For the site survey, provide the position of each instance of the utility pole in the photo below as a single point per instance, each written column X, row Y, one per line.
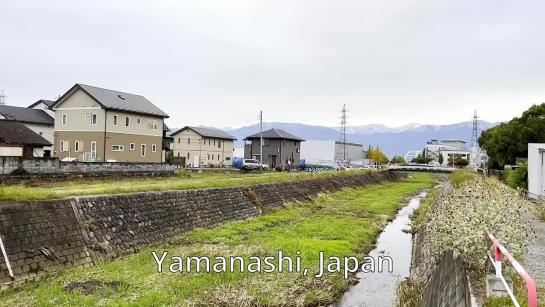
column 2, row 98
column 261, row 140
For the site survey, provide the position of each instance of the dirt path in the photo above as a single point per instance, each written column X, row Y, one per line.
column 534, row 262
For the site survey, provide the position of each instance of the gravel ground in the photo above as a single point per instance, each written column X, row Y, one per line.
column 534, row 262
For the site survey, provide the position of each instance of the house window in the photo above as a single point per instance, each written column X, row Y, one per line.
column 118, row 148
column 127, row 121
column 227, row 158
column 132, row 146
column 214, row 142
column 63, row 146
column 187, row 156
column 143, row 150
column 179, row 140
column 218, row 157
column 188, row 141
column 65, row 119
column 209, row 140
column 212, row 157
column 208, row 156
column 93, row 119
column 138, row 120
column 153, row 148
column 219, row 144
column 76, row 146
column 115, row 120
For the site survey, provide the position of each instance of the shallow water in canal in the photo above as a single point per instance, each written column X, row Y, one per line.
column 378, row 288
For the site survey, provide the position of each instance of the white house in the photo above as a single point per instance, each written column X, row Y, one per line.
column 536, row 170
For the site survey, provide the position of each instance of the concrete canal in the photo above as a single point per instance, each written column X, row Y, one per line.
column 378, row 288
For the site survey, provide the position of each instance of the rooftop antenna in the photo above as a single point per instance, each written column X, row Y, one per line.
column 2, row 98
column 342, row 135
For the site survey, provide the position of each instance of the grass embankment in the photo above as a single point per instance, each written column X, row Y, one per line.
column 183, row 181
column 340, row 224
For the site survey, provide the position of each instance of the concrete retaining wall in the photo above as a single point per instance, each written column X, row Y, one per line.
column 45, row 236
column 44, row 166
column 448, row 285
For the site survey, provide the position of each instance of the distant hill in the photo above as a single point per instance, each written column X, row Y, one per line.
column 393, row 141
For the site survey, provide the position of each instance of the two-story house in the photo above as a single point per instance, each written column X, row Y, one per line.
column 97, row 124
column 280, row 148
column 38, row 120
column 202, row 146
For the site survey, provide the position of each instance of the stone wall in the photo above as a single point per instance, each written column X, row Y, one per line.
column 40, row 237
column 448, row 285
column 44, row 166
column 44, row 236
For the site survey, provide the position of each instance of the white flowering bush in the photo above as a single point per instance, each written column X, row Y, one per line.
column 461, row 215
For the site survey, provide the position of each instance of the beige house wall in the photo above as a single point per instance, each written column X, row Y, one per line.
column 209, row 149
column 127, row 154
column 80, row 107
column 148, row 125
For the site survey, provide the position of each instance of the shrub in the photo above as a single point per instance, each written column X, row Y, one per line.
column 518, row 178
column 278, row 169
column 459, row 177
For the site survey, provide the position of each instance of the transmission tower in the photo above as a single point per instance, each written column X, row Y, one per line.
column 474, row 149
column 342, row 135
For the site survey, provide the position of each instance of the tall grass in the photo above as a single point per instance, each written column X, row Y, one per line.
column 461, row 176
column 183, row 181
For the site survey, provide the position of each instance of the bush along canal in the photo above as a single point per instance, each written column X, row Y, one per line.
column 395, row 242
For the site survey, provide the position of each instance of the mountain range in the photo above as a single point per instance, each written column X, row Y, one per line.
column 392, row 141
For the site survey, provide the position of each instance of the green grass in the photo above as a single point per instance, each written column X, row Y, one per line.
column 183, row 181
column 462, row 176
column 340, row 224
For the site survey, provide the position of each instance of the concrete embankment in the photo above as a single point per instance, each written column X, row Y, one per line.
column 46, row 236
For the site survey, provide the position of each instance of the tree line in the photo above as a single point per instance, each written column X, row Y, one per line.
column 508, row 141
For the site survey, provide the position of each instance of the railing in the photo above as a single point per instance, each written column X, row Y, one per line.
column 499, row 252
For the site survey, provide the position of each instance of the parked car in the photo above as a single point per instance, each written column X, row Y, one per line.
column 252, row 164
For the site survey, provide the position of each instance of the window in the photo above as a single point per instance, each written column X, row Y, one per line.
column 127, row 121
column 212, row 157
column 76, row 146
column 115, row 120
column 218, row 157
column 138, row 120
column 153, row 148
column 187, row 156
column 188, row 141
column 93, row 119
column 227, row 158
column 209, row 140
column 65, row 119
column 63, row 146
column 155, row 126
column 179, row 140
column 208, row 156
column 214, row 142
column 219, row 144
column 132, row 146
column 118, row 148
column 143, row 150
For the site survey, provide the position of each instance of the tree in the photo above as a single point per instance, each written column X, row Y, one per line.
column 440, row 159
column 377, row 155
column 397, row 160
column 421, row 159
column 509, row 141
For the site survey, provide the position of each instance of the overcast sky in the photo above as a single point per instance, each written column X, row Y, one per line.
column 217, row 63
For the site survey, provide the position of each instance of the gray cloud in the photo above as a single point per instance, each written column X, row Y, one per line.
column 219, row 62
